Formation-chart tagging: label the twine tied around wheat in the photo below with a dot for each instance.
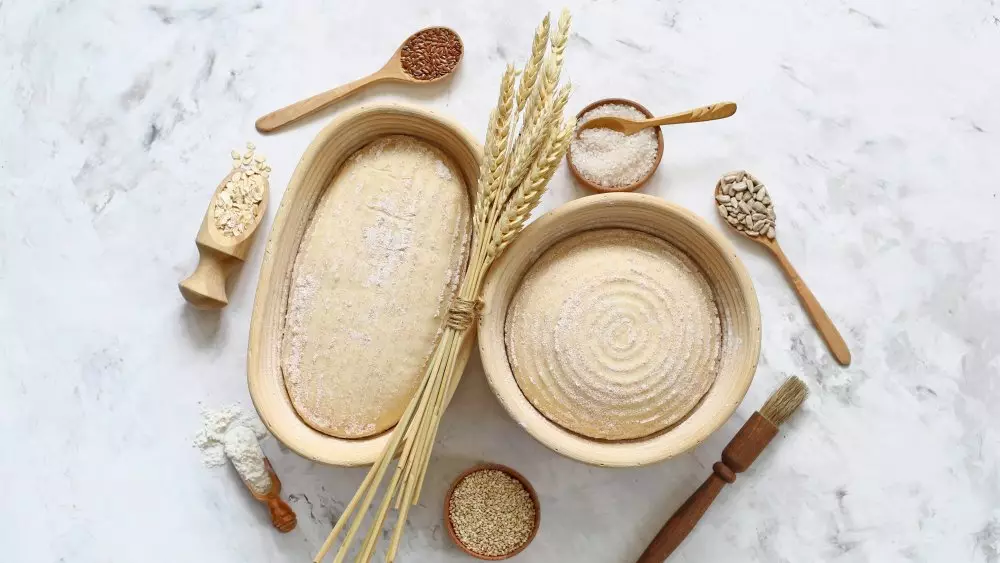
(463, 313)
(526, 139)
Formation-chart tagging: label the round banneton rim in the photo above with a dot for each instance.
(735, 296)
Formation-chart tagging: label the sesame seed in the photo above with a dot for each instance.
(492, 513)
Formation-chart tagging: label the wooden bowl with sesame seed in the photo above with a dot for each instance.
(449, 524)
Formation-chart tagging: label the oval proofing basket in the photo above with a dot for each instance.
(735, 297)
(323, 158)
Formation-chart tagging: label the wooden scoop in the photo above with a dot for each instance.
(396, 70)
(219, 254)
(282, 516)
(834, 341)
(720, 110)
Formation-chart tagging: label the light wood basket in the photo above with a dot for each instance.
(710, 250)
(323, 158)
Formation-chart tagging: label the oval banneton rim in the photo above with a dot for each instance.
(735, 295)
(342, 137)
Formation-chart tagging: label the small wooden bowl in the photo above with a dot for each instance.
(628, 188)
(451, 528)
(344, 136)
(735, 298)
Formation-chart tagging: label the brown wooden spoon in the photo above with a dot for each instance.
(720, 110)
(834, 341)
(439, 47)
(282, 516)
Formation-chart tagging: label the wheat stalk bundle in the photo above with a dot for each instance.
(526, 139)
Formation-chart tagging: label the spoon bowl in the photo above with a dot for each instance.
(428, 56)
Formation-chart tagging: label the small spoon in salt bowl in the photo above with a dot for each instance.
(429, 55)
(745, 204)
(720, 110)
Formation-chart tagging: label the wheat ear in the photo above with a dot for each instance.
(530, 72)
(529, 193)
(536, 121)
(494, 163)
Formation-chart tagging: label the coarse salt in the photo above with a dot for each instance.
(609, 158)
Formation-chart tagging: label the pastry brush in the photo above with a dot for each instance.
(741, 452)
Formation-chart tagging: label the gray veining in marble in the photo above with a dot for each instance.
(875, 123)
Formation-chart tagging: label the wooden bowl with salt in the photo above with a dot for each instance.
(630, 187)
(318, 173)
(737, 345)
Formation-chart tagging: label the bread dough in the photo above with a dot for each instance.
(374, 276)
(614, 334)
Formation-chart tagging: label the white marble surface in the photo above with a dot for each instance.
(875, 122)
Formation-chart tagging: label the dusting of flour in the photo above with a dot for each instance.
(210, 439)
(375, 272)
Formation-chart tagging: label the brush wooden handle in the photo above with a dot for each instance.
(741, 452)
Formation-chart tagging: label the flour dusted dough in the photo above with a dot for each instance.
(614, 334)
(374, 276)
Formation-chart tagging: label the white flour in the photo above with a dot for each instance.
(211, 438)
(244, 451)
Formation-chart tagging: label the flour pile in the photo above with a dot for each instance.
(211, 439)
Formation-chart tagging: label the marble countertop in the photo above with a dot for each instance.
(875, 124)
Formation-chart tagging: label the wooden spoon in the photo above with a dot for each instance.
(720, 110)
(282, 516)
(834, 341)
(433, 40)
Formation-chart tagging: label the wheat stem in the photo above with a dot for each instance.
(524, 145)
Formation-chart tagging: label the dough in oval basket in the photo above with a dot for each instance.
(614, 334)
(375, 274)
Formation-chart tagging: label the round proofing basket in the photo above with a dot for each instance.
(320, 163)
(735, 297)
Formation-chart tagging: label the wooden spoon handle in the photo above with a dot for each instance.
(834, 341)
(309, 106)
(720, 110)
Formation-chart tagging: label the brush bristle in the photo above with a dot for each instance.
(785, 401)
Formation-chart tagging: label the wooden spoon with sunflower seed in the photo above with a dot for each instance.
(745, 204)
